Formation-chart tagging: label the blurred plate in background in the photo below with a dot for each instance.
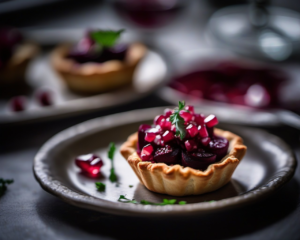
(210, 59)
(151, 73)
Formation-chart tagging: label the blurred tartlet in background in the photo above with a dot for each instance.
(15, 55)
(97, 63)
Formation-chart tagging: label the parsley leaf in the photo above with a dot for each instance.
(3, 184)
(130, 186)
(100, 186)
(111, 153)
(106, 38)
(123, 199)
(178, 121)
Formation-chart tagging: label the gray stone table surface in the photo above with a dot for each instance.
(28, 212)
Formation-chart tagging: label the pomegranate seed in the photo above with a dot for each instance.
(158, 119)
(173, 128)
(157, 140)
(192, 129)
(44, 98)
(211, 121)
(205, 141)
(150, 136)
(89, 164)
(190, 145)
(202, 131)
(147, 153)
(168, 112)
(190, 109)
(165, 124)
(168, 136)
(186, 116)
(18, 104)
(156, 130)
(199, 118)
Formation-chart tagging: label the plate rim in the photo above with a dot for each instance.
(41, 172)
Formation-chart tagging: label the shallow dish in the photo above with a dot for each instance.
(268, 164)
(151, 73)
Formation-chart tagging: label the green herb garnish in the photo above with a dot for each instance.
(3, 184)
(100, 186)
(130, 186)
(111, 153)
(123, 199)
(178, 121)
(106, 38)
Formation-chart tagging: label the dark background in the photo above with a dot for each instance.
(28, 212)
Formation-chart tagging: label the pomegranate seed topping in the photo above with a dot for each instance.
(190, 109)
(168, 136)
(168, 112)
(190, 145)
(186, 116)
(211, 121)
(89, 164)
(199, 118)
(158, 119)
(150, 136)
(202, 131)
(192, 129)
(147, 153)
(18, 104)
(205, 141)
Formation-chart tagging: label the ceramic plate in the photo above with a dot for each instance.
(150, 74)
(188, 61)
(268, 164)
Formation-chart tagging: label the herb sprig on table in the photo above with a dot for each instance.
(106, 38)
(123, 199)
(178, 121)
(111, 153)
(3, 184)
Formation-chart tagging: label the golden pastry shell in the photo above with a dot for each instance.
(177, 180)
(92, 77)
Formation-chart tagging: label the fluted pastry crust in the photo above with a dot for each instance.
(15, 69)
(177, 180)
(97, 77)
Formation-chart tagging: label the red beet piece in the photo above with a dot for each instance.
(192, 129)
(18, 104)
(168, 136)
(90, 164)
(211, 121)
(141, 137)
(150, 136)
(197, 160)
(218, 146)
(146, 153)
(168, 155)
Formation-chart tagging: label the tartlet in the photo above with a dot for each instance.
(15, 55)
(177, 180)
(95, 77)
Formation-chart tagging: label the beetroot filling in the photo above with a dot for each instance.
(198, 149)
